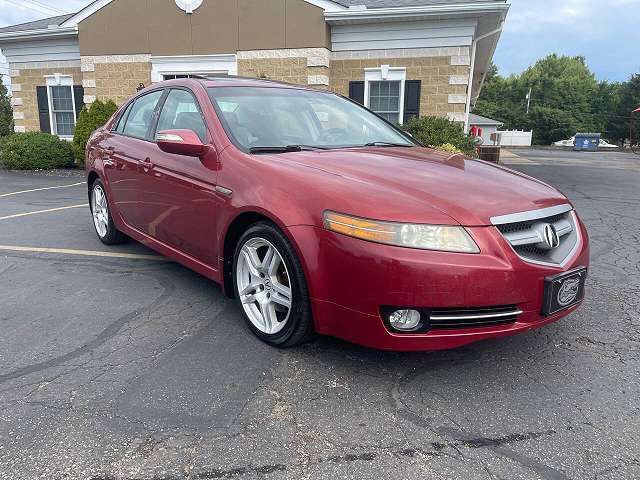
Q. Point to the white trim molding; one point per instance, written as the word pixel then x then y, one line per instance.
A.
pixel 385 73
pixel 415 13
pixel 193 64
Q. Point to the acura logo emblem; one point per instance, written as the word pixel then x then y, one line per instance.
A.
pixel 551 238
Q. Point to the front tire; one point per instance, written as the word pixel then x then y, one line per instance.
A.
pixel 270 287
pixel 101 213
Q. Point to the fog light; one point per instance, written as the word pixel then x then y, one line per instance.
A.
pixel 405 320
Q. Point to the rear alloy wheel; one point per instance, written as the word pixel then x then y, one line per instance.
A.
pixel 270 287
pixel 102 220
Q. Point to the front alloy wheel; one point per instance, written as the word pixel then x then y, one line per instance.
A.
pixel 270 287
pixel 102 220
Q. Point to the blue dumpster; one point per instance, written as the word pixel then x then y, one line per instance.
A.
pixel 586 142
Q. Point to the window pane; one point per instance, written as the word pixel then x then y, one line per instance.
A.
pixel 61 99
pixel 384 99
pixel 64 123
pixel 141 115
pixel 180 111
pixel 123 118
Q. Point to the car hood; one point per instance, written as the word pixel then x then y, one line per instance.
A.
pixel 422 185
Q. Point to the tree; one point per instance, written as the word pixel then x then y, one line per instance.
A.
pixel 566 98
pixel 88 121
pixel 6 112
pixel 628 99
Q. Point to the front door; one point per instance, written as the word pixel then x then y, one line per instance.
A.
pixel 179 191
pixel 125 152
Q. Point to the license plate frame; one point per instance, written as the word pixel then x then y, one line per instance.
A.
pixel 564 291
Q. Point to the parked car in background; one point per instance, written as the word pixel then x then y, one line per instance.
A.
pixel 317 215
pixel 571 142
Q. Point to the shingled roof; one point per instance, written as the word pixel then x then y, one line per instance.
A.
pixel 38 24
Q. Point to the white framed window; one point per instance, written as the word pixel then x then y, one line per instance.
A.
pixel 185 66
pixel 62 105
pixel 384 91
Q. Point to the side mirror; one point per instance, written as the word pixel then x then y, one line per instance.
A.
pixel 181 142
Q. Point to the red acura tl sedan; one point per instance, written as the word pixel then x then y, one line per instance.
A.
pixel 319 216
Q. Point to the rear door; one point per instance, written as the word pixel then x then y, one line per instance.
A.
pixel 180 190
pixel 129 148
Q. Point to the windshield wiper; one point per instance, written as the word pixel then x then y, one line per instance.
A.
pixel 286 149
pixel 387 144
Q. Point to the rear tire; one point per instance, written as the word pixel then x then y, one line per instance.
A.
pixel 270 287
pixel 102 219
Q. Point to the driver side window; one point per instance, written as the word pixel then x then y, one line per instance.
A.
pixel 181 112
pixel 140 115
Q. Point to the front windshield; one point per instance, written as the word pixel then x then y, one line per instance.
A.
pixel 270 118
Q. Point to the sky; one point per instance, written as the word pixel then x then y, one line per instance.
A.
pixel 606 32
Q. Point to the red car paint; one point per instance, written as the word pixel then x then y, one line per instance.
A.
pixel 180 206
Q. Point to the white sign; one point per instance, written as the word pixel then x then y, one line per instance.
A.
pixel 188 5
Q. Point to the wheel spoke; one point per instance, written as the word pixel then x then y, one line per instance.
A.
pixel 252 287
pixel 269 257
pixel 273 266
pixel 268 315
pixel 249 299
pixel 281 300
pixel 249 262
pixel 282 290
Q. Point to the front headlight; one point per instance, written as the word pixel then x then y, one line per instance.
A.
pixel 425 237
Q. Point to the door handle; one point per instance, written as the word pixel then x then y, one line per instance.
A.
pixel 147 164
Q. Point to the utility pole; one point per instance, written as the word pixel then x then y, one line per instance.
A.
pixel 529 99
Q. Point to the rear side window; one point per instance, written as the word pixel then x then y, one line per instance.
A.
pixel 140 115
pixel 181 112
pixel 123 118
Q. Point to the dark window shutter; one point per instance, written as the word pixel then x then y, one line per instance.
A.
pixel 43 109
pixel 78 94
pixel 412 99
pixel 356 92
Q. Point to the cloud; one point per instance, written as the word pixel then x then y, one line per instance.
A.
pixel 603 31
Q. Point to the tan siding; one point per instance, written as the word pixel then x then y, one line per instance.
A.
pixel 126 27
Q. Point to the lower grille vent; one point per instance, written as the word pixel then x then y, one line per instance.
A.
pixel 473 317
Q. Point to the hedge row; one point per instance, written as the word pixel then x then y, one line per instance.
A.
pixel 42 151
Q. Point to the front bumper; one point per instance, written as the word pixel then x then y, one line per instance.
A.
pixel 350 279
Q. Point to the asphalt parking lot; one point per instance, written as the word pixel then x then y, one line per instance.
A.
pixel 117 364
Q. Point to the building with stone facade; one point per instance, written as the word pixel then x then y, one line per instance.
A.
pixel 401 58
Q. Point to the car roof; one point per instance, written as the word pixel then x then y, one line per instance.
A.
pixel 232 81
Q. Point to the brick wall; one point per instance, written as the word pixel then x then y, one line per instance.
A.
pixel 24 80
pixel 444 74
pixel 114 77
pixel 308 66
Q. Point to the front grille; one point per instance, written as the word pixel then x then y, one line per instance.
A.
pixel 448 319
pixel 525 232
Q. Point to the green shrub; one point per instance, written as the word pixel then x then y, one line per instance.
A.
pixel 434 131
pixel 447 147
pixel 88 121
pixel 35 151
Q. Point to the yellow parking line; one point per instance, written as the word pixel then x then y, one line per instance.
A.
pixel 85 253
pixel 49 210
pixel 40 189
